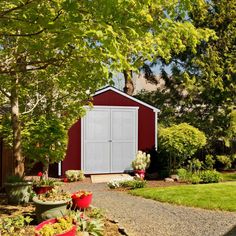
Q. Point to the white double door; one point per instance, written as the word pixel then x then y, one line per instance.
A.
pixel 109 142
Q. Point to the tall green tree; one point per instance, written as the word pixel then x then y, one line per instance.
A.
pixel 55 53
pixel 201 89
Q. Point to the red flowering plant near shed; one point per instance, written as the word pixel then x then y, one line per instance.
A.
pixel 43 181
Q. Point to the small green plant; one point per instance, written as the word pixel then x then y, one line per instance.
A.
pixel 74 175
pixel 13 225
pixel 210 176
pixel 133 184
pixel 204 176
pixel 95 213
pixel 94 227
pixel 142 161
pixel 195 165
pixel 43 181
pixel 15 179
pixel 225 161
pixel 54 195
pixel 129 182
pixel 209 162
pixel 195 178
pixel 183 175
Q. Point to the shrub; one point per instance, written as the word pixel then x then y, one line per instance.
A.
pixel 210 176
pixel 133 184
pixel 195 178
pixel 74 175
pixel 181 142
pixel 128 182
pixel 209 162
pixel 225 161
pixel 183 174
pixel 116 183
pixel 206 176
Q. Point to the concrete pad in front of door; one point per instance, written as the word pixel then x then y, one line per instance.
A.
pixel 106 177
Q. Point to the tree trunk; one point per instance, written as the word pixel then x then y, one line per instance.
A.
pixel 46 167
pixel 129 86
pixel 16 128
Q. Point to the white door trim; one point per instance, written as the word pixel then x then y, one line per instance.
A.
pixel 102 108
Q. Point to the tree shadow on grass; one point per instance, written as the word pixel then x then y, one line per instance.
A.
pixel 232 232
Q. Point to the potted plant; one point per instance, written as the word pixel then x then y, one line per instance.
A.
pixel 141 163
pixel 18 189
pixel 43 185
pixel 82 199
pixel 74 175
pixel 51 204
pixel 63 226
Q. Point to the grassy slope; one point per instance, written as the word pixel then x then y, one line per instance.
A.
pixel 220 196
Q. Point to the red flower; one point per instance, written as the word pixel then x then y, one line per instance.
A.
pixel 65 180
pixel 40 174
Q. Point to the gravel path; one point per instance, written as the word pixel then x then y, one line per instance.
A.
pixel 147 217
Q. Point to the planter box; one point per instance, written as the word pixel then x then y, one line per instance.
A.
pixel 19 192
pixel 70 232
pixel 49 209
pixel 42 189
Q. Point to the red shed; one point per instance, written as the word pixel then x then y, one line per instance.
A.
pixel 107 139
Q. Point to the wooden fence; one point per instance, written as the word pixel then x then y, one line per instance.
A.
pixel 6 163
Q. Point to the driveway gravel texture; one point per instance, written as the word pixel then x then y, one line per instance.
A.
pixel 141 216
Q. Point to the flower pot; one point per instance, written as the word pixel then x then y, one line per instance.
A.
pixel 49 209
pixel 19 192
pixel 82 201
pixel 70 232
pixel 42 189
pixel 141 173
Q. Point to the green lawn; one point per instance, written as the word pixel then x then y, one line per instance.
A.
pixel 221 196
pixel 229 176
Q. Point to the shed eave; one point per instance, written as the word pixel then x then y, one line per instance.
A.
pixel 126 95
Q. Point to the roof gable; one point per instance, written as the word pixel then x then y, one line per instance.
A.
pixel 110 88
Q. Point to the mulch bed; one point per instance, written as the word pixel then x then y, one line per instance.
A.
pixel 110 228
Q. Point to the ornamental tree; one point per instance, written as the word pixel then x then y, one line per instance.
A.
pixel 181 142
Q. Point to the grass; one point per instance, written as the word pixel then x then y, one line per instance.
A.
pixel 229 176
pixel 221 196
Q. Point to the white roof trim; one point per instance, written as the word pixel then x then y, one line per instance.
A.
pixel 126 95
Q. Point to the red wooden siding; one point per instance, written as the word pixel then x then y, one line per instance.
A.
pixel 146 127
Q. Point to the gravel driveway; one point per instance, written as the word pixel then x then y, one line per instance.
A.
pixel 147 217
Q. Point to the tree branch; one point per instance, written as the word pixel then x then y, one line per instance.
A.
pixel 5 93
pixel 3 13
pixel 30 34
pixel 23 35
pixel 34 106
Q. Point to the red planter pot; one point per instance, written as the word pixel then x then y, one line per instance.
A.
pixel 42 189
pixel 141 173
pixel 82 201
pixel 71 232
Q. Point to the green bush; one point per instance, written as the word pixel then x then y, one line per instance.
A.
pixel 225 161
pixel 209 162
pixel 181 142
pixel 206 176
pixel 210 176
pixel 133 184
pixel 195 178
pixel 183 174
